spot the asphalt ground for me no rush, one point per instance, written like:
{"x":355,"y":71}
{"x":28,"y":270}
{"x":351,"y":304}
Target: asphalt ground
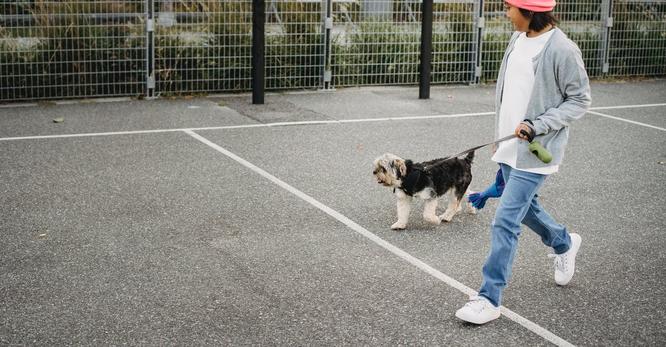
{"x":211,"y":221}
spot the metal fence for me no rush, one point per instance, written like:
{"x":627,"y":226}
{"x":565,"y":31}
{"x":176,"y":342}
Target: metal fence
{"x":63,"y":49}
{"x":582,"y":20}
{"x":378,"y":42}
{"x":94,"y":48}
{"x":201,"y":46}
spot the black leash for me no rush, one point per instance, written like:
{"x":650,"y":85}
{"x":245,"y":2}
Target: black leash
{"x":427,"y":168}
{"x":535,"y":147}
{"x":481,"y":146}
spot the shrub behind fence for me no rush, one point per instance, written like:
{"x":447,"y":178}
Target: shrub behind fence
{"x":86,"y":48}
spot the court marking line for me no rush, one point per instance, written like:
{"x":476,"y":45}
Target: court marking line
{"x":245,"y":126}
{"x":533,"y":327}
{"x":340,"y":121}
{"x":626,"y":120}
{"x":625,"y":106}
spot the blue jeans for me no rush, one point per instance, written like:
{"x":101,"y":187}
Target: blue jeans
{"x":517,"y":205}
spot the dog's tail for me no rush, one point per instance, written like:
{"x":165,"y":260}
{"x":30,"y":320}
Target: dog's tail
{"x":470,"y":157}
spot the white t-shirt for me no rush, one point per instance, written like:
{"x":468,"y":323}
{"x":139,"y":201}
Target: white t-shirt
{"x":518,"y":83}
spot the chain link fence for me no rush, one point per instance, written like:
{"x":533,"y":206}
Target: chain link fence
{"x":64,"y":49}
{"x":378,"y":42}
{"x":637,"y":39}
{"x":99,"y":48}
{"x":375,"y":42}
{"x":201,"y":46}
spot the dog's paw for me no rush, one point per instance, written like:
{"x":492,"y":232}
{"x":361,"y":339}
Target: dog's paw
{"x":432,"y":220}
{"x":447,"y":216}
{"x":399,"y":226}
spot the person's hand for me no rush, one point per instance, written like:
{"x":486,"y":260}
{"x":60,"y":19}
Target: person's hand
{"x":527,"y":129}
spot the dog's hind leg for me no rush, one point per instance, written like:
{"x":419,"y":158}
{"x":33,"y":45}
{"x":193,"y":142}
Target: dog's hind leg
{"x":404,"y":206}
{"x":430,"y":211}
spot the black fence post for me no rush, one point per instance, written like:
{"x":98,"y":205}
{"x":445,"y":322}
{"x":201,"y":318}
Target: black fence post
{"x":607,"y":18}
{"x":150,"y":48}
{"x":327,"y":18}
{"x":478,"y":52}
{"x":258,"y":32}
{"x":426,"y":49}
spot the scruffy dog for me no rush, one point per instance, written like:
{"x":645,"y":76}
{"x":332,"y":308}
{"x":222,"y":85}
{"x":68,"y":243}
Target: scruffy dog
{"x":427,"y":180}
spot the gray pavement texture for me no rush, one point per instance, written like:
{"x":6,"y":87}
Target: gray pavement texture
{"x":157,"y":239}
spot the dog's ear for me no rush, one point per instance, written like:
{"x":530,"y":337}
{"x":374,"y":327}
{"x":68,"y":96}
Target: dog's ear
{"x":400,"y":165}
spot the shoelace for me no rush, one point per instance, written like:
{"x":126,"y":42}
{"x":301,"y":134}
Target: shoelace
{"x":560,"y":262}
{"x":477,"y":304}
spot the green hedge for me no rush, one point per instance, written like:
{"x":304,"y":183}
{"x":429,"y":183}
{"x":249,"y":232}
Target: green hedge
{"x":70,"y":55}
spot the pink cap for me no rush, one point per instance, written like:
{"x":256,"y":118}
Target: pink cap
{"x":533,"y":5}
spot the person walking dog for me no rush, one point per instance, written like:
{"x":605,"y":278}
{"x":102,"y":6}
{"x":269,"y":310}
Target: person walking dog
{"x":541,"y":89}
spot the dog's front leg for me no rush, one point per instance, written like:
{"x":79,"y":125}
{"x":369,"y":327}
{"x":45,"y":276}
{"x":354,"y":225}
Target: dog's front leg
{"x":430,"y":211}
{"x":452,"y":209}
{"x":404,"y":206}
{"x":468,"y":205}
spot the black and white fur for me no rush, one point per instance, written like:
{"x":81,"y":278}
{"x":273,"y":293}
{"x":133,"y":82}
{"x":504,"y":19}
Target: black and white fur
{"x":427,"y":180}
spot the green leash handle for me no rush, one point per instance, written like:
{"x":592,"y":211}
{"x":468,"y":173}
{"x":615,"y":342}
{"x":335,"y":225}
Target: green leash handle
{"x":541,"y":153}
{"x":537,"y":149}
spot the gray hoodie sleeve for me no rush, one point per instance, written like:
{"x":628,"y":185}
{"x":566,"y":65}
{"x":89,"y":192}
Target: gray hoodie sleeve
{"x":574,"y":85}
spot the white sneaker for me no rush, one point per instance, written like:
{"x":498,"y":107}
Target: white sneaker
{"x":478,"y":311}
{"x":565,"y":263}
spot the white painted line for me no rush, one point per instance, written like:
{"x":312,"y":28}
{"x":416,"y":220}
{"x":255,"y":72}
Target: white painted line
{"x":261,"y":125}
{"x":90,"y":134}
{"x":305,"y":122}
{"x":381,"y":242}
{"x":626,"y":120}
{"x":436,"y":116}
{"x":362,"y":120}
{"x":278,"y":124}
{"x":625,"y":106}
{"x":224,"y":127}
{"x":533,"y":327}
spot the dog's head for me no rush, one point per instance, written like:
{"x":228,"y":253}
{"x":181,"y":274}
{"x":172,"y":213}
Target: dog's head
{"x":388,"y":170}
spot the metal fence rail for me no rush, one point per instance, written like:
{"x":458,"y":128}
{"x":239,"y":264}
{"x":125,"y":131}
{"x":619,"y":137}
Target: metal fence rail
{"x":94,"y":48}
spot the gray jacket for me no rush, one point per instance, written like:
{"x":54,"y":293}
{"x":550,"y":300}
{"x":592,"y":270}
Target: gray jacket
{"x":561,"y":94}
